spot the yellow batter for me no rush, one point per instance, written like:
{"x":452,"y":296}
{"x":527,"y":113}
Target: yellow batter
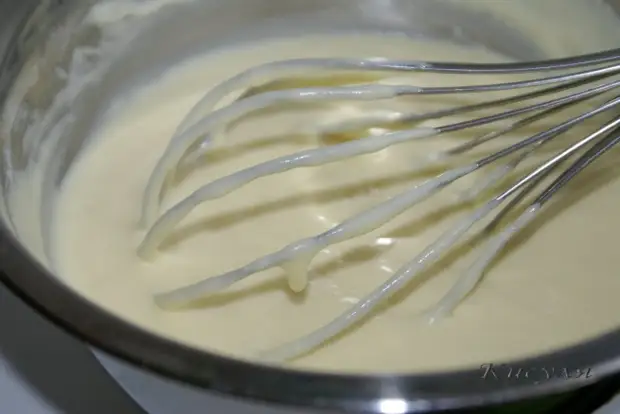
{"x":558,"y":288}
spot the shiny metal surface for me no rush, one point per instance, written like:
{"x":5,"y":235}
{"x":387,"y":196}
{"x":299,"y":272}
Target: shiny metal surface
{"x":25,"y":29}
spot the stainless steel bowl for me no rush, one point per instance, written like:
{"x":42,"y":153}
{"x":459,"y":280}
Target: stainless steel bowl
{"x":48,"y":32}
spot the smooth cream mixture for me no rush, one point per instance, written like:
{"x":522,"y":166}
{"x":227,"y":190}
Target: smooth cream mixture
{"x":557,"y":288}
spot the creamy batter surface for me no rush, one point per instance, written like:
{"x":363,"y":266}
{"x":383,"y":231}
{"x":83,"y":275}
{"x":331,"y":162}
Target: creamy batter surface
{"x":557,"y":289}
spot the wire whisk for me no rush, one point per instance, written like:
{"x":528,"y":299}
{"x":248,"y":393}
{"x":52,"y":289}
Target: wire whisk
{"x":557,"y":85}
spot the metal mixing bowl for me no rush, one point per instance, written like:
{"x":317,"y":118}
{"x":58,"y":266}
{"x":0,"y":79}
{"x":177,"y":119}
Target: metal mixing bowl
{"x":48,"y":31}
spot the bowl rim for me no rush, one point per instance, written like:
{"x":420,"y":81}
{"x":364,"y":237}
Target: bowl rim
{"x":494,"y":383}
